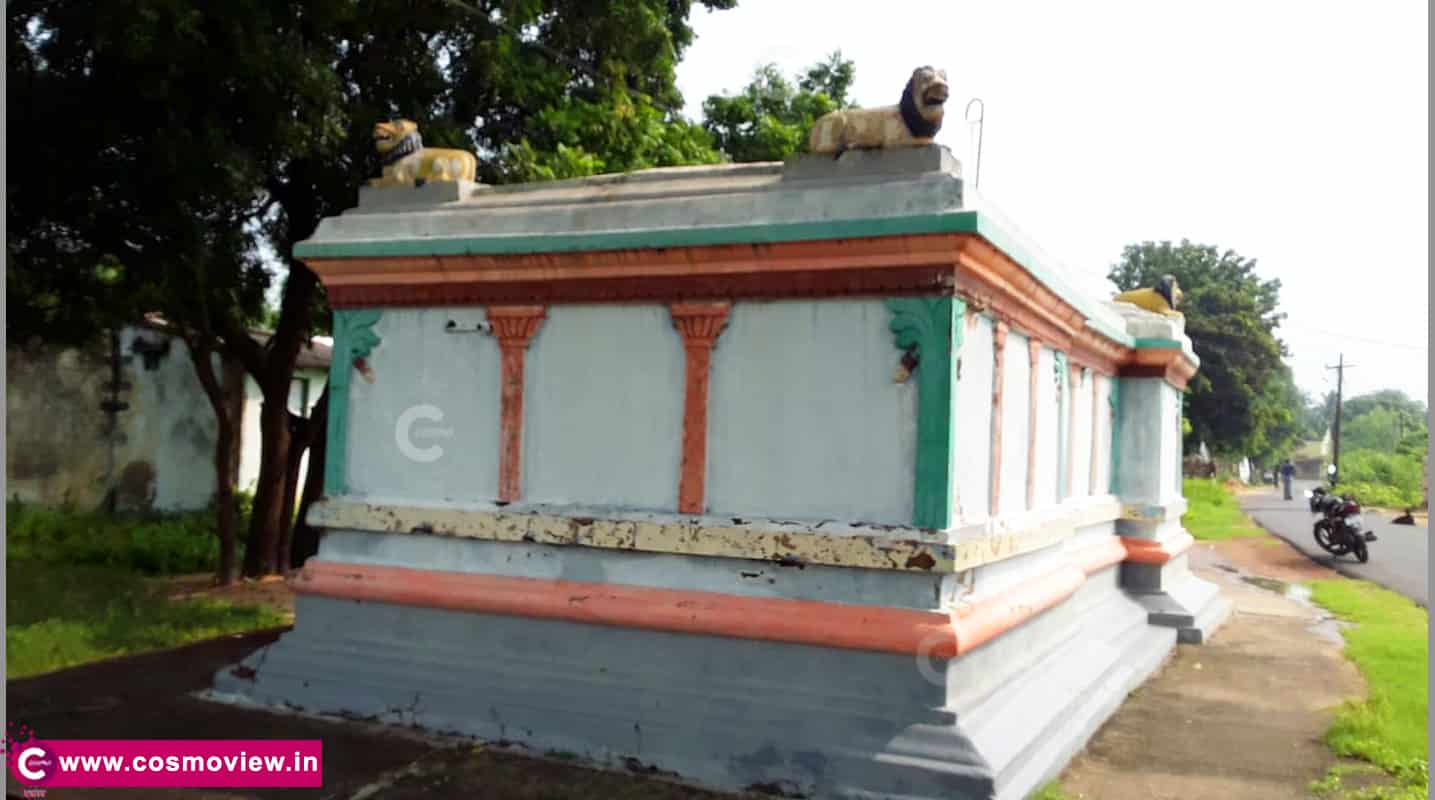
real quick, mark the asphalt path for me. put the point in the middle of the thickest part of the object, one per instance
(1399, 560)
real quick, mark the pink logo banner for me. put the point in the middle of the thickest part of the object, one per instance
(158, 763)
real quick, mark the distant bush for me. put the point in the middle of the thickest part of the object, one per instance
(1379, 495)
(1382, 478)
(169, 544)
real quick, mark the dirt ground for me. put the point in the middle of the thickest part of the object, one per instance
(1242, 716)
(272, 591)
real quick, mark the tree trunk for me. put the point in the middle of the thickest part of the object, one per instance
(272, 366)
(298, 443)
(306, 538)
(262, 554)
(224, 446)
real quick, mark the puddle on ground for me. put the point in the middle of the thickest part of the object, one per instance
(1325, 625)
(1269, 584)
(1296, 591)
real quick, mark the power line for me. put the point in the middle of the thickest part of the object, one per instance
(1348, 337)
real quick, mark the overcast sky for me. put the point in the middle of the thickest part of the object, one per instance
(1291, 132)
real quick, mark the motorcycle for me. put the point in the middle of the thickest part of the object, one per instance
(1338, 530)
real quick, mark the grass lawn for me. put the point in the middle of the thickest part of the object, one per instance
(1213, 514)
(61, 615)
(1389, 644)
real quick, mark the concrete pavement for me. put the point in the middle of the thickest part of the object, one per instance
(1399, 561)
(1248, 719)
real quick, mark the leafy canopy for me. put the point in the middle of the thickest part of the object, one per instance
(770, 119)
(165, 134)
(167, 144)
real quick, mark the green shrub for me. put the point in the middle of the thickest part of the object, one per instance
(1382, 479)
(1213, 513)
(167, 544)
(64, 615)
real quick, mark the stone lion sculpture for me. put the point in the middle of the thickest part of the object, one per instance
(407, 162)
(913, 121)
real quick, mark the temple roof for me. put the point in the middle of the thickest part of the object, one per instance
(808, 197)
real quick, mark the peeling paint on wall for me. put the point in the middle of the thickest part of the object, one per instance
(791, 545)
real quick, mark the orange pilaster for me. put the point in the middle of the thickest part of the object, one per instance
(998, 382)
(1072, 373)
(1095, 432)
(514, 327)
(1034, 350)
(700, 324)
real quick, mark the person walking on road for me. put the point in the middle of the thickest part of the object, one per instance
(1287, 474)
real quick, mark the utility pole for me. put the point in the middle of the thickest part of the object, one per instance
(1340, 369)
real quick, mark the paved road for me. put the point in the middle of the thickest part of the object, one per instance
(1399, 561)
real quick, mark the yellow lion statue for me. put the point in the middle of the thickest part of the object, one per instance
(1164, 298)
(407, 162)
(913, 121)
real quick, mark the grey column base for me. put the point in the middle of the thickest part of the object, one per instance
(1031, 727)
(1174, 598)
(729, 714)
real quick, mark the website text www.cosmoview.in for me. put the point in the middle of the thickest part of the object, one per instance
(229, 763)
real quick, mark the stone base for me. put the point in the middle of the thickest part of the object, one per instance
(913, 160)
(728, 713)
(1175, 598)
(430, 193)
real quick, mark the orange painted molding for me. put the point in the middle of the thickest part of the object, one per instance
(999, 335)
(1096, 557)
(514, 326)
(983, 621)
(942, 263)
(1150, 551)
(700, 325)
(809, 622)
(1034, 350)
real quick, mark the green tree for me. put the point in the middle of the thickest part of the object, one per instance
(772, 116)
(1387, 421)
(1395, 401)
(1242, 401)
(167, 140)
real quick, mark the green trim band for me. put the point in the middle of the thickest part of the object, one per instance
(653, 238)
(1167, 344)
(931, 328)
(983, 223)
(354, 338)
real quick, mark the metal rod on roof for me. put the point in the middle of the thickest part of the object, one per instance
(980, 122)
